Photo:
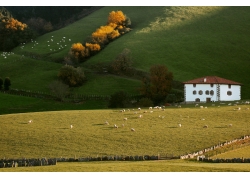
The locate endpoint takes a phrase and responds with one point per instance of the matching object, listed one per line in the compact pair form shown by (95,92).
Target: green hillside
(191,41)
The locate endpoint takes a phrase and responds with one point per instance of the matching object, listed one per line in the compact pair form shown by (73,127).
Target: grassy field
(237,153)
(158,132)
(191,41)
(146,166)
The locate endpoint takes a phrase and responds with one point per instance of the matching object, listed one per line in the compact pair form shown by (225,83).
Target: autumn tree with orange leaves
(158,84)
(117,24)
(13,32)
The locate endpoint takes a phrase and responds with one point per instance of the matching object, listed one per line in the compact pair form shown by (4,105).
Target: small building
(211,88)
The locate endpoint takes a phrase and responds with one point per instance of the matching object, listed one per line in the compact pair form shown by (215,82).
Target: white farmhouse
(211,88)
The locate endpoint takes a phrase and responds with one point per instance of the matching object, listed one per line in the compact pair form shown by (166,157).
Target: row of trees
(117,24)
(5,85)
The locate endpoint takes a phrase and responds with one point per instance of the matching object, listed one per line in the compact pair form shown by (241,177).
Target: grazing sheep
(71,126)
(202,118)
(196,105)
(125,119)
(30,121)
(201,106)
(206,126)
(115,126)
(132,129)
(122,125)
(107,122)
(140,116)
(139,109)
(150,108)
(179,106)
(230,125)
(179,125)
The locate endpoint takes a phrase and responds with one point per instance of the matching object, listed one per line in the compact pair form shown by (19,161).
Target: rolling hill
(191,41)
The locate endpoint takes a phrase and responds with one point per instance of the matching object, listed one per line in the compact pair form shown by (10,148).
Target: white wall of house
(235,89)
(191,97)
(200,87)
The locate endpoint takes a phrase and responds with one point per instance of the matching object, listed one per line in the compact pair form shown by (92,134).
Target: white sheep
(201,107)
(30,121)
(107,122)
(140,116)
(71,126)
(115,126)
(132,129)
(125,119)
(179,125)
(206,126)
(230,125)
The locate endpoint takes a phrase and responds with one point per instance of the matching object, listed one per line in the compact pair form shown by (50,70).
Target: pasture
(156,132)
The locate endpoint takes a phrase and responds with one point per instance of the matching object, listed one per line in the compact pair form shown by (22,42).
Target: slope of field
(191,41)
(237,153)
(50,134)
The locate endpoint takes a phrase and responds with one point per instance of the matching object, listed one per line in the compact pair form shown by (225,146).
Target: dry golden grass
(50,135)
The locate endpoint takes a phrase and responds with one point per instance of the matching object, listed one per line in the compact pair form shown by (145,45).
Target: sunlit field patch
(50,135)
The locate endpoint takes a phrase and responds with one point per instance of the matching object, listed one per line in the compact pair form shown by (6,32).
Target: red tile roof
(211,80)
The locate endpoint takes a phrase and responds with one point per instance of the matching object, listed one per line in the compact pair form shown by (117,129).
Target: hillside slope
(190,41)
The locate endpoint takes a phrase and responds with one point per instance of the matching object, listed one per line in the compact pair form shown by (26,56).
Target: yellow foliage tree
(116,17)
(100,36)
(14,24)
(114,34)
(78,50)
(93,47)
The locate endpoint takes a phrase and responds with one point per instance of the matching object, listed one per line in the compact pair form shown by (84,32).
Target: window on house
(229,86)
(194,85)
(229,93)
(207,92)
(194,92)
(211,92)
(211,85)
(200,92)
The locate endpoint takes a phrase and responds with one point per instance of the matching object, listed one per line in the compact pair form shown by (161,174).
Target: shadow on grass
(221,127)
(23,123)
(98,124)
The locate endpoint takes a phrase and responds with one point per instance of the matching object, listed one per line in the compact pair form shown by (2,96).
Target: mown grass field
(236,153)
(158,132)
(145,166)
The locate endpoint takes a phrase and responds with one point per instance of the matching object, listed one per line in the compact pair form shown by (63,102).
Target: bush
(71,76)
(119,100)
(145,102)
(7,84)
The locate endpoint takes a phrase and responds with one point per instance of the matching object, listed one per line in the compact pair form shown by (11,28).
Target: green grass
(18,104)
(191,41)
(146,166)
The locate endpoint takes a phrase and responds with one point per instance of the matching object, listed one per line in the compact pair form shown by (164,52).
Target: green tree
(158,84)
(60,89)
(71,76)
(118,100)
(1,83)
(122,64)
(7,84)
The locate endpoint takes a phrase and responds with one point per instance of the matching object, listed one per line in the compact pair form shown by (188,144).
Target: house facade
(211,89)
